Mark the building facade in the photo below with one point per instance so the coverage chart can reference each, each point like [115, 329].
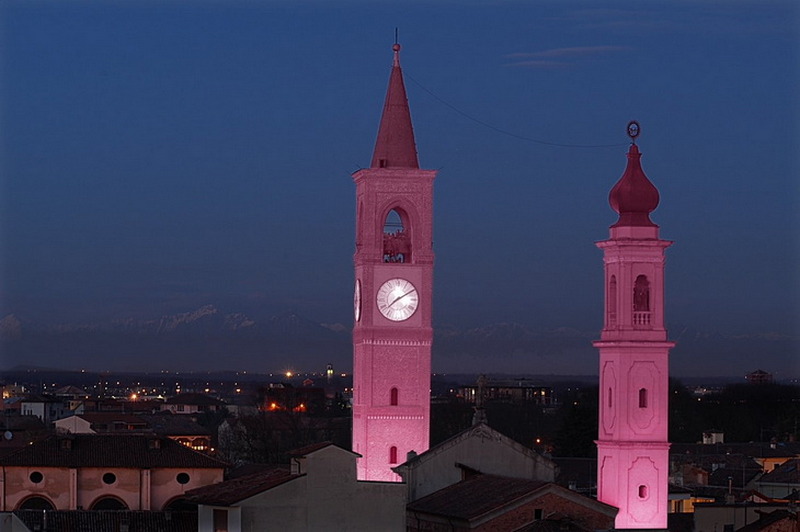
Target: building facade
[392, 331]
[109, 472]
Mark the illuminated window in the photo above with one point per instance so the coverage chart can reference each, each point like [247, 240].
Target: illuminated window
[393, 399]
[393, 455]
[643, 398]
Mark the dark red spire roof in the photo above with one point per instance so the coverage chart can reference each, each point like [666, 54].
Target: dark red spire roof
[634, 197]
[395, 146]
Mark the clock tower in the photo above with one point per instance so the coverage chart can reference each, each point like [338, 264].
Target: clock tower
[392, 332]
[632, 445]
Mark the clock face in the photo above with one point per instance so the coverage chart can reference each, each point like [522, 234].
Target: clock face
[357, 300]
[397, 299]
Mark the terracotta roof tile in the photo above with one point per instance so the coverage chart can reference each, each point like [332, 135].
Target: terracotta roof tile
[476, 496]
[230, 492]
[109, 450]
[786, 473]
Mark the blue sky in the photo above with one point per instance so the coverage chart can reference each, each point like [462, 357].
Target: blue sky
[158, 156]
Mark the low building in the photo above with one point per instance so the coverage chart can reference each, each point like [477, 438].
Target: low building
[103, 472]
[478, 448]
[511, 391]
[782, 482]
[45, 407]
[318, 492]
[100, 422]
[192, 403]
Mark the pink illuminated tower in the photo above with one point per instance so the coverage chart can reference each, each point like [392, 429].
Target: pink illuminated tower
[392, 333]
[632, 446]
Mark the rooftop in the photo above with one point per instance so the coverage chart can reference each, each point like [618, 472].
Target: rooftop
[109, 450]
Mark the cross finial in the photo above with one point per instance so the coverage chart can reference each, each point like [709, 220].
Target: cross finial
[634, 130]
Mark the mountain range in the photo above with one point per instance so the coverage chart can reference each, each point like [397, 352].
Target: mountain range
[207, 339]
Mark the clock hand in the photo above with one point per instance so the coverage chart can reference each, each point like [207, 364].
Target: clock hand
[398, 298]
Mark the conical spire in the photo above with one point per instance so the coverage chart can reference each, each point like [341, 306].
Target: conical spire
[395, 146]
[634, 197]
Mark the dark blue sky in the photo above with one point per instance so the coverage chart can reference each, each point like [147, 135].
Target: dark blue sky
[158, 156]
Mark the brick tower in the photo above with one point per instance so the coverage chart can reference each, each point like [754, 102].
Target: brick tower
[632, 446]
[392, 333]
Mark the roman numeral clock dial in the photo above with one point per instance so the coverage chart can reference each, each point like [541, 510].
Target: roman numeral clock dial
[397, 299]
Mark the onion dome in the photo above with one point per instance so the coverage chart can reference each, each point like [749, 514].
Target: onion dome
[395, 146]
[634, 197]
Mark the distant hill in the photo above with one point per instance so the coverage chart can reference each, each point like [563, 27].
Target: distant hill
[208, 339]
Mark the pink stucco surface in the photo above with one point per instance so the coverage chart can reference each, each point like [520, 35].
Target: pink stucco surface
[632, 444]
[392, 354]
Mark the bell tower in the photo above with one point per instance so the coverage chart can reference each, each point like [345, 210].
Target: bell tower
[632, 446]
[392, 332]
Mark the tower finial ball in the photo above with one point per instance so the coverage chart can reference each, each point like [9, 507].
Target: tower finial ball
[396, 47]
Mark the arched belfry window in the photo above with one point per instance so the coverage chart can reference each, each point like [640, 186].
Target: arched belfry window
[641, 294]
[393, 397]
[396, 237]
[641, 302]
[612, 301]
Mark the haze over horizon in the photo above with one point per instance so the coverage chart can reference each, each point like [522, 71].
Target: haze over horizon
[158, 157]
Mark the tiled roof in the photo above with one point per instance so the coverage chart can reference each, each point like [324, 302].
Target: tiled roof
[109, 450]
[193, 399]
[174, 425]
[15, 422]
[230, 492]
[786, 473]
[754, 450]
[476, 496]
[137, 521]
[765, 520]
[111, 417]
[308, 449]
[737, 477]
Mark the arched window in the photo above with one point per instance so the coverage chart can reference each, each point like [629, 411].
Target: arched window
[396, 238]
[612, 301]
[393, 397]
[392, 454]
[36, 503]
[108, 503]
[641, 294]
[643, 398]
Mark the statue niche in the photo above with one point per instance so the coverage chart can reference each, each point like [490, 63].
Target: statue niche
[396, 240]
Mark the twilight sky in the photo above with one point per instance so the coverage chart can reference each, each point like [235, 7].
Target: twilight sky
[159, 156]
